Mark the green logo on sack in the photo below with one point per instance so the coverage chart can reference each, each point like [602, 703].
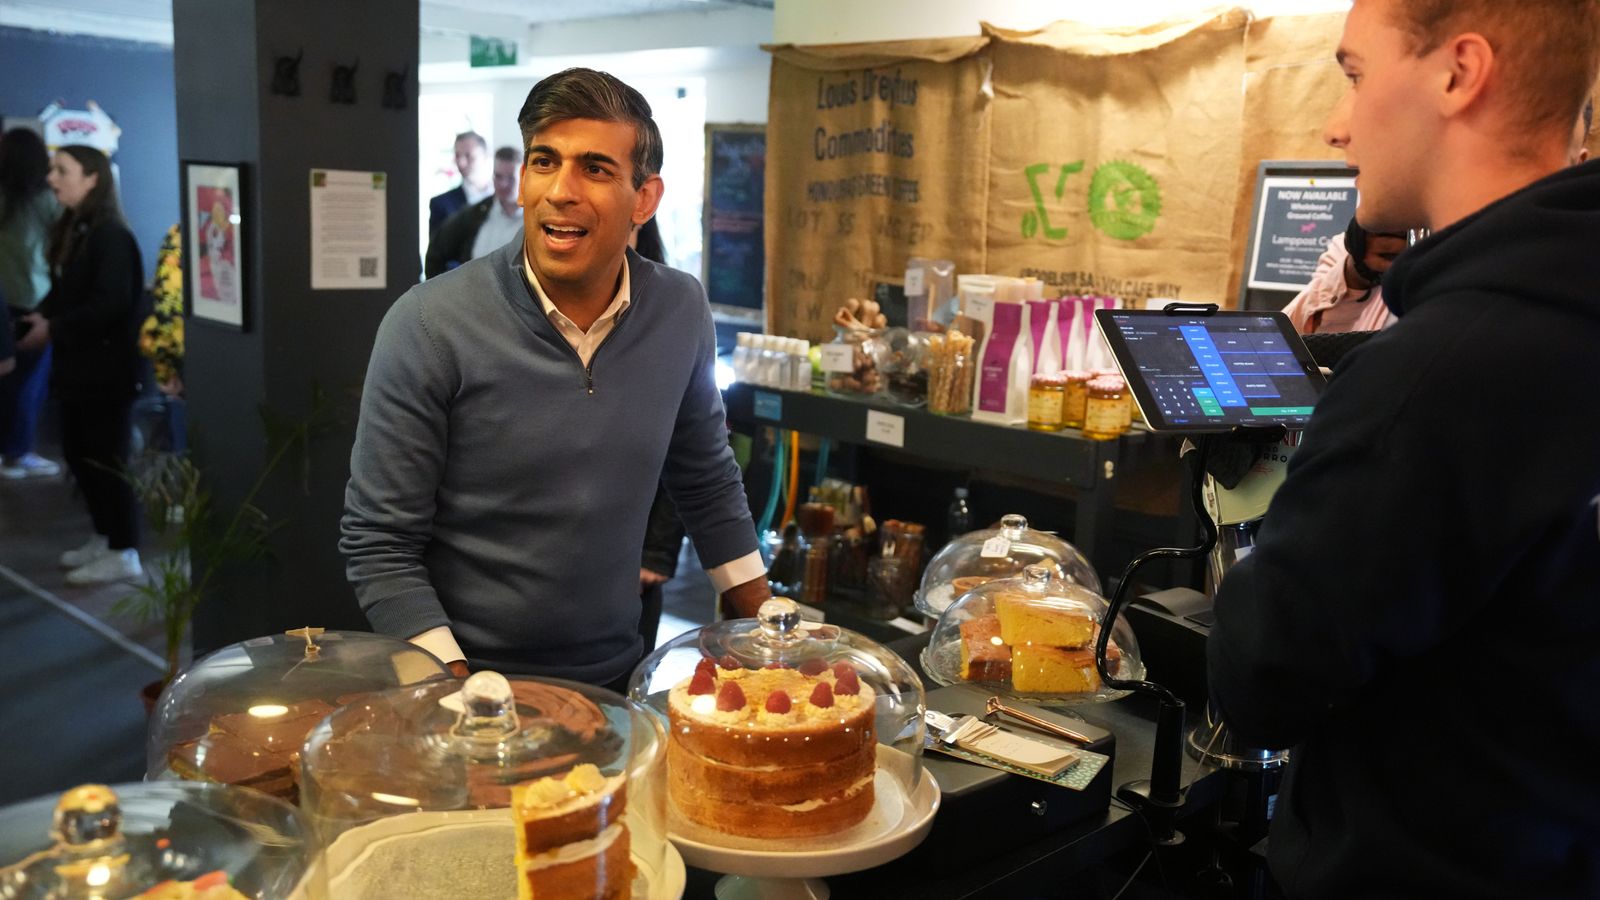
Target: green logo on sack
[1124, 201]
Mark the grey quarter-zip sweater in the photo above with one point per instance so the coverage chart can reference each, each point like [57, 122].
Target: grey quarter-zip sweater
[500, 487]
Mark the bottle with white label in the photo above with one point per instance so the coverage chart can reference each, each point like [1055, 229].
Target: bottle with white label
[799, 372]
[1047, 355]
[741, 357]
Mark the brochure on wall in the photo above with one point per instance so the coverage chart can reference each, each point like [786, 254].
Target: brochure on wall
[349, 230]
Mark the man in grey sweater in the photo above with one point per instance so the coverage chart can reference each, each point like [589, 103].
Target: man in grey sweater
[519, 410]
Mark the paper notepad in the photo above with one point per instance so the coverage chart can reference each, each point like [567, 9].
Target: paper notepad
[1022, 752]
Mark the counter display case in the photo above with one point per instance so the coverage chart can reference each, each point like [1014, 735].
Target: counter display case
[240, 715]
[1031, 638]
[494, 787]
[998, 553]
[162, 841]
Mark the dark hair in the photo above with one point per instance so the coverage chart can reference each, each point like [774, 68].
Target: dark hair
[24, 163]
[99, 205]
[648, 243]
[1588, 117]
[474, 137]
[508, 154]
[587, 94]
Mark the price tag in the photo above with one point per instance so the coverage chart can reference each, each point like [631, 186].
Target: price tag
[916, 284]
[980, 308]
[996, 548]
[886, 428]
[768, 406]
[838, 358]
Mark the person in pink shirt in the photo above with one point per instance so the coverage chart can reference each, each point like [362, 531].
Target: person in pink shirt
[1345, 293]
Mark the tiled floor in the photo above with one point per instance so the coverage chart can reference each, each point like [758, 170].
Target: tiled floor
[70, 670]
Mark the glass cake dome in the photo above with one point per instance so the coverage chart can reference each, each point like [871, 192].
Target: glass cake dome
[490, 788]
[240, 715]
[982, 556]
[785, 736]
[1031, 638]
[154, 840]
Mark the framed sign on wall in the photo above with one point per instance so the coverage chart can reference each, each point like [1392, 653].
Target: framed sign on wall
[213, 243]
[735, 253]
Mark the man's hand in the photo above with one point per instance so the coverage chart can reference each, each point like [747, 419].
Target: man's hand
[38, 333]
[649, 579]
[7, 364]
[458, 668]
[742, 600]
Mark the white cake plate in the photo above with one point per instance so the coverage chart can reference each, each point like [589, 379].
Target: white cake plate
[789, 869]
[481, 841]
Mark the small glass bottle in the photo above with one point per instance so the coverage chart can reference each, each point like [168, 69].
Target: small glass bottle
[741, 357]
[1109, 410]
[1075, 398]
[1046, 398]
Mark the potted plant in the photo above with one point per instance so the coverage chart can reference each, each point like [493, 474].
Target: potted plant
[203, 538]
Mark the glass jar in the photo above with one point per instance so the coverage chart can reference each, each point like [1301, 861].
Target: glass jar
[1109, 410]
[1032, 638]
[951, 362]
[1075, 399]
[100, 842]
[997, 553]
[857, 370]
[240, 715]
[905, 368]
[1046, 400]
[490, 787]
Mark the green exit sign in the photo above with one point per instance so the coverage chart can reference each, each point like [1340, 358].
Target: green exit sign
[488, 51]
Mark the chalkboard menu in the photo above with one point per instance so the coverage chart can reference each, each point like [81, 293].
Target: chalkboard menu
[735, 257]
[1295, 217]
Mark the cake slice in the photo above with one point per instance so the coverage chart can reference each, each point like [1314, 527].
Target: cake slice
[1053, 670]
[984, 656]
[571, 838]
[1029, 620]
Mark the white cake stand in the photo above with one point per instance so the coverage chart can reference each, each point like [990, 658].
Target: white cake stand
[481, 843]
[788, 869]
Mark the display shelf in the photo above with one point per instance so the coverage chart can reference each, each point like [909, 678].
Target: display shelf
[1067, 457]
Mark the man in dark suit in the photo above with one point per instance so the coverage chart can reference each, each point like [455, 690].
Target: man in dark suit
[479, 228]
[472, 161]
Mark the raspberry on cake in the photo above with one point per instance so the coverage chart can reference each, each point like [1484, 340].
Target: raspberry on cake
[795, 758]
[572, 841]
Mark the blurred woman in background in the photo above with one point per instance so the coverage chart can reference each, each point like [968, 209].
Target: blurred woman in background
[90, 317]
[27, 210]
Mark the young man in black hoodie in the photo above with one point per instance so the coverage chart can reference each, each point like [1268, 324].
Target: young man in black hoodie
[1420, 619]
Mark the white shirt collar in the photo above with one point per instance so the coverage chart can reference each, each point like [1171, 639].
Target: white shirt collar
[619, 303]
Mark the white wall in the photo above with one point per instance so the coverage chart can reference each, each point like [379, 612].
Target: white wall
[851, 21]
[721, 46]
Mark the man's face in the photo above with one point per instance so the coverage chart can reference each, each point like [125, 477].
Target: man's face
[1386, 122]
[505, 181]
[579, 203]
[470, 157]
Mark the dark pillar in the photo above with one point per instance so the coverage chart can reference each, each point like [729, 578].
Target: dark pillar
[224, 56]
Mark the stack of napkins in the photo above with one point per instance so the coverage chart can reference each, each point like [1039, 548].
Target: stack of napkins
[977, 736]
